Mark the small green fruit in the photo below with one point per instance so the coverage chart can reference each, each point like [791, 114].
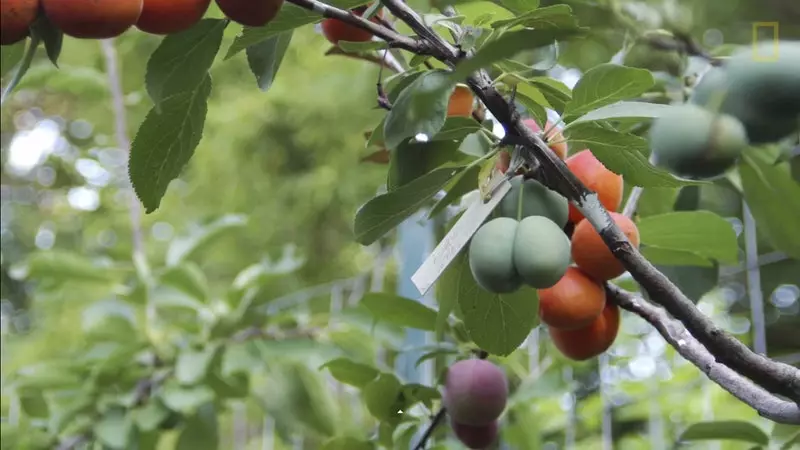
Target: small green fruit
[532, 198]
[692, 142]
[491, 256]
[541, 252]
[645, 56]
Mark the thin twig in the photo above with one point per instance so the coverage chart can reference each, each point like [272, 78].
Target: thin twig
[676, 334]
[435, 422]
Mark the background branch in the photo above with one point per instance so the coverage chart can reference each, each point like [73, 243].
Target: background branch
[674, 332]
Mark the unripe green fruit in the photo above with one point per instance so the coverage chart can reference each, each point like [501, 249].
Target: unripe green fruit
[491, 256]
[692, 142]
[475, 392]
[645, 56]
[763, 94]
[541, 252]
[534, 199]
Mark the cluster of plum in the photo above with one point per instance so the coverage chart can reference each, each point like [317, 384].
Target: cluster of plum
[102, 19]
[752, 98]
[526, 243]
[475, 395]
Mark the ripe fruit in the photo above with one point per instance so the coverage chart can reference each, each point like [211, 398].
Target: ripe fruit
[93, 19]
[461, 102]
[760, 86]
[645, 56]
[171, 16]
[335, 30]
[574, 302]
[250, 13]
[592, 173]
[491, 256]
[554, 137]
[16, 16]
[475, 437]
[593, 256]
[589, 341]
[692, 142]
[475, 392]
[531, 198]
[541, 251]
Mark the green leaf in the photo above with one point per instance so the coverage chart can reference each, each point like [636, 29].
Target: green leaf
[289, 17]
[185, 399]
[735, 430]
[519, 6]
[774, 199]
[550, 18]
[114, 430]
[10, 56]
[22, 69]
[508, 45]
[400, 311]
[33, 403]
[623, 110]
[414, 393]
[350, 372]
[477, 144]
[265, 58]
[785, 436]
[412, 160]
[361, 47]
[700, 232]
[181, 63]
[66, 266]
[466, 182]
[605, 84]
[200, 431]
[386, 211]
[192, 365]
[50, 35]
[187, 246]
[457, 128]
[421, 108]
[149, 416]
[497, 323]
[166, 141]
[383, 397]
[670, 257]
[347, 443]
[623, 154]
[187, 277]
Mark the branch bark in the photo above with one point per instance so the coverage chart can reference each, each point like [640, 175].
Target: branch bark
[774, 376]
[673, 331]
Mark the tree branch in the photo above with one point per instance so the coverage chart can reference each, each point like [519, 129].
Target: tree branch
[772, 375]
[673, 331]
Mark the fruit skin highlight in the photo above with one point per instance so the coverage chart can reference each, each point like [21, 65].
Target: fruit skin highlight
[594, 175]
[537, 200]
[589, 341]
[475, 437]
[575, 301]
[93, 19]
[692, 142]
[592, 255]
[171, 16]
[491, 256]
[250, 13]
[541, 252]
[475, 392]
[16, 17]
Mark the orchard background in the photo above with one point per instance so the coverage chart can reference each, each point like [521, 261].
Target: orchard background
[208, 238]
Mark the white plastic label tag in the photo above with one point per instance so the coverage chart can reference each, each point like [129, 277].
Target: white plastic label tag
[444, 253]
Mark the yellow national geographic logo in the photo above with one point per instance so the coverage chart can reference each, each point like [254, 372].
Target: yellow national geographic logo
[758, 50]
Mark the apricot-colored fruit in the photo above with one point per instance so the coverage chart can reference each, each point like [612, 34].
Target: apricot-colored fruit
[503, 162]
[16, 17]
[335, 30]
[593, 256]
[594, 175]
[475, 437]
[573, 302]
[475, 392]
[589, 341]
[554, 138]
[461, 102]
[93, 19]
[171, 16]
[250, 13]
